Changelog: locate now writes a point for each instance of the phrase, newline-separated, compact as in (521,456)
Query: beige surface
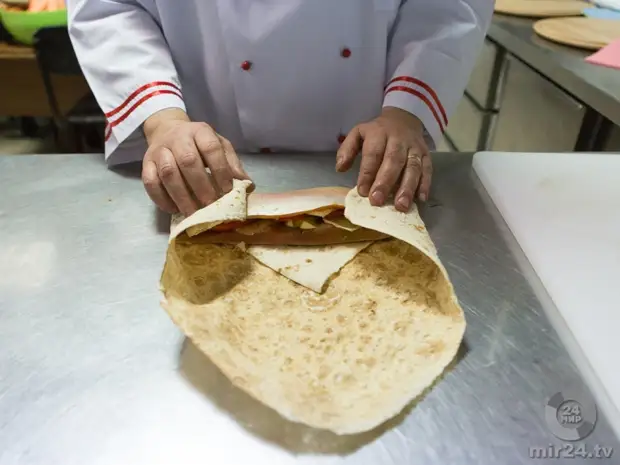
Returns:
(540,8)
(346,360)
(13,143)
(21,88)
(588,33)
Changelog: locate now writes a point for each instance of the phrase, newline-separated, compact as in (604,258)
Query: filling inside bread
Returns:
(318,227)
(304,221)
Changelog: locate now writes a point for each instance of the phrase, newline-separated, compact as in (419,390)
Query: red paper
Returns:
(607,56)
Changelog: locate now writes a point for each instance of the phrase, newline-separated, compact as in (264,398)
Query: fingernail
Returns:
(338,162)
(363,190)
(422,197)
(378,198)
(404,202)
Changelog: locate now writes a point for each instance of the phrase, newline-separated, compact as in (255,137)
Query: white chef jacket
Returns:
(274,75)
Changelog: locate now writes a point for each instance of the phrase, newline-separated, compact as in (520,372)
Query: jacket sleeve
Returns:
(128,66)
(433,49)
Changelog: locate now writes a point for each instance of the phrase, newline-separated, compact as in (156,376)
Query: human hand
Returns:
(395,158)
(174,167)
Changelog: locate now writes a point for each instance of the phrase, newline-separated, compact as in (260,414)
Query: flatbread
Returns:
(407,227)
(229,207)
(309,266)
(346,360)
(269,205)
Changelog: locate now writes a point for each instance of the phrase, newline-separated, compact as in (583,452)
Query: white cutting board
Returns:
(564,211)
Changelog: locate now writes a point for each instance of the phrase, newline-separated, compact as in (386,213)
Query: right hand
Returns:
(173,170)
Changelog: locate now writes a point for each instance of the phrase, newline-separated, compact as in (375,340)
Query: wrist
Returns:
(156,120)
(403,115)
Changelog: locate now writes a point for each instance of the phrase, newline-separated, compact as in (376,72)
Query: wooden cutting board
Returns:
(588,33)
(540,8)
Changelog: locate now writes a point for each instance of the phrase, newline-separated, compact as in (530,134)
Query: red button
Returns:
(246,65)
(341,138)
(346,53)
(265,150)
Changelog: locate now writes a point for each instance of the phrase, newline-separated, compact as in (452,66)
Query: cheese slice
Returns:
(309,266)
(256,227)
(342,223)
(307,222)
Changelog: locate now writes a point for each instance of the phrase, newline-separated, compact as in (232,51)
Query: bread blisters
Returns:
(338,336)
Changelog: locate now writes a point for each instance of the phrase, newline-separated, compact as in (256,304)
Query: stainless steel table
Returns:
(92,371)
(596,86)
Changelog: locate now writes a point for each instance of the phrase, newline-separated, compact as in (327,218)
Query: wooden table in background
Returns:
(22,92)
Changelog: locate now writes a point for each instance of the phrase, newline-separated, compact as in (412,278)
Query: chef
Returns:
(185,84)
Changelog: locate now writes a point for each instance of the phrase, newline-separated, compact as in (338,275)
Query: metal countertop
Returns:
(596,86)
(92,371)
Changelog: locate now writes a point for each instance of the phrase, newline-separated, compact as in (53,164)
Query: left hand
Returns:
(395,158)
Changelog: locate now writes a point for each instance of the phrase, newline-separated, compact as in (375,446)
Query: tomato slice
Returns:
(229,226)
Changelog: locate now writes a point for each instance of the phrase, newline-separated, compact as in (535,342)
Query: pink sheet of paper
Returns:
(608,56)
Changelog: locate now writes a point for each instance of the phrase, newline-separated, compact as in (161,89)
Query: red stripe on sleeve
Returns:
(422,97)
(427,88)
(136,105)
(138,91)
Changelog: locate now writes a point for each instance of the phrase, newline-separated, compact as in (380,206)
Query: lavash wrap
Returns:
(383,329)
